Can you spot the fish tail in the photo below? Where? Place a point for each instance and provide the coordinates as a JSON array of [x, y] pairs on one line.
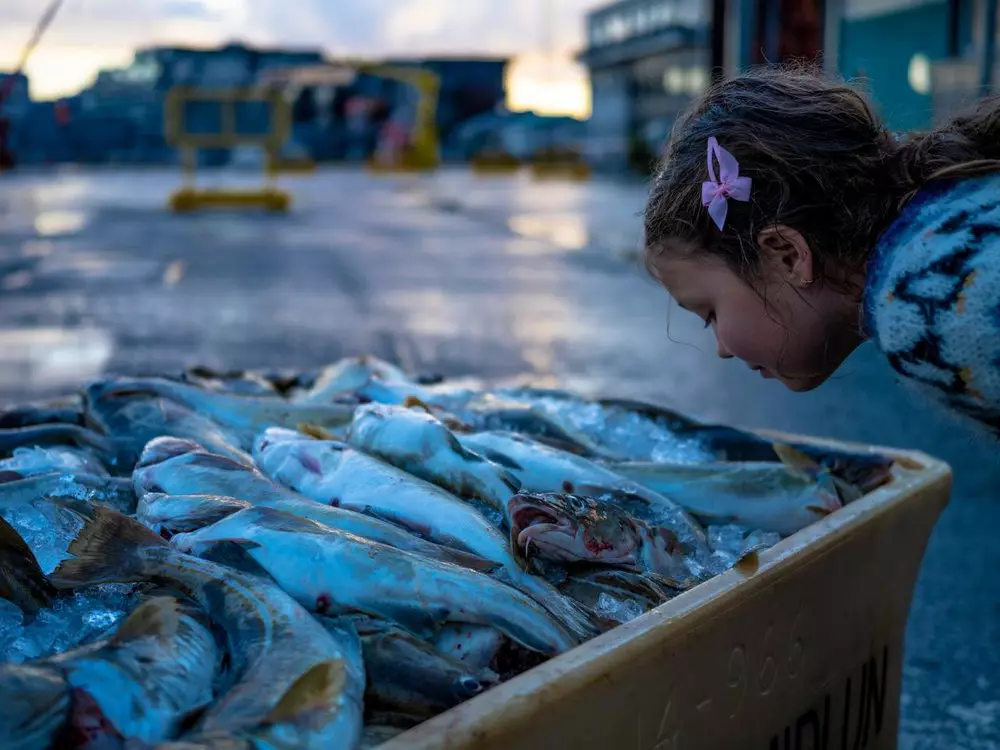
[[106, 550], [29, 588]]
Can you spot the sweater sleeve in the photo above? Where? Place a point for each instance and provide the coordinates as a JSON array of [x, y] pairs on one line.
[[933, 296]]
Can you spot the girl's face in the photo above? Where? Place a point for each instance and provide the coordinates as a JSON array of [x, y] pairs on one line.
[[783, 326]]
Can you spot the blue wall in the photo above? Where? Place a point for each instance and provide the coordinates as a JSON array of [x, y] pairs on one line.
[[880, 49]]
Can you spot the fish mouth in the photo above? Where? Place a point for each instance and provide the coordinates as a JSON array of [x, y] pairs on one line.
[[531, 524], [562, 539]]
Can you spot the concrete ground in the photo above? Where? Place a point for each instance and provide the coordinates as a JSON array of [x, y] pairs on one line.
[[460, 275]]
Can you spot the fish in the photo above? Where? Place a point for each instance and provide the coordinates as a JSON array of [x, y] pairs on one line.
[[236, 382], [474, 645], [58, 434], [175, 467], [352, 574], [242, 416], [115, 492], [348, 375], [135, 420], [174, 514], [30, 415], [670, 419], [539, 468], [35, 706], [411, 680], [865, 470], [22, 581], [333, 473], [420, 444], [783, 498], [598, 588], [285, 664], [40, 460], [575, 529], [536, 422], [138, 684]]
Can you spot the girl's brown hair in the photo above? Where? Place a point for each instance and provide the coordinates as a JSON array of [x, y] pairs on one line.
[[821, 162]]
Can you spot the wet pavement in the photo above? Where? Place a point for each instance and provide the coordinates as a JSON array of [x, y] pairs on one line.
[[460, 276]]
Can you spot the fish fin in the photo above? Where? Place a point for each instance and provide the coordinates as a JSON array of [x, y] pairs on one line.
[[318, 688], [796, 459], [671, 584], [36, 591], [158, 617], [843, 491], [465, 559], [281, 520], [106, 549], [413, 402], [315, 431], [236, 554], [215, 461], [501, 459]]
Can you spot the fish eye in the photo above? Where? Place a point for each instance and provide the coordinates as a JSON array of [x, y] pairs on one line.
[[471, 685]]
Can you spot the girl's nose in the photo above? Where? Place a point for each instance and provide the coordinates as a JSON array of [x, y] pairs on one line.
[[722, 350]]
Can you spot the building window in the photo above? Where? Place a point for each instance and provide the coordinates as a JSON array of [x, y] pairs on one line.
[[641, 21], [919, 74]]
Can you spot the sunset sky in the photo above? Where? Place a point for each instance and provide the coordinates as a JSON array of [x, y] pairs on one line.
[[91, 34]]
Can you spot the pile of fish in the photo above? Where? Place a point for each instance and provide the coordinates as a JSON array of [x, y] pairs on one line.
[[252, 560]]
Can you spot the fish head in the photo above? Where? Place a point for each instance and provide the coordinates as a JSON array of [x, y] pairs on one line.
[[572, 528], [275, 436], [194, 472], [286, 459], [161, 449]]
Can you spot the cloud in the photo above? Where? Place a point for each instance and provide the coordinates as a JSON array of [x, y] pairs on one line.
[[92, 29]]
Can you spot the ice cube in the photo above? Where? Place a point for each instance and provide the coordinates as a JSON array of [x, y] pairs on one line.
[[619, 610], [99, 620], [46, 528], [726, 538], [22, 649]]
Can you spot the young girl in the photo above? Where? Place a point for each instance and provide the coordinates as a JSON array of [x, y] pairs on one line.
[[795, 225]]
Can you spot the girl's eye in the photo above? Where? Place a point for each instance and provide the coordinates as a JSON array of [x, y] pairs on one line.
[[709, 319]]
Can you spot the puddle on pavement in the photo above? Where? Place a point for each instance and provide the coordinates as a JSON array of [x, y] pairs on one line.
[[39, 359], [567, 231], [54, 223], [98, 266]]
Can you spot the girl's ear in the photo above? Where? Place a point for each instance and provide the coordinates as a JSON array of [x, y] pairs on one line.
[[786, 251]]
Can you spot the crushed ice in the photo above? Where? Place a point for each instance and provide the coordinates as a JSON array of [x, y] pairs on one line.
[[71, 621], [619, 610], [729, 542]]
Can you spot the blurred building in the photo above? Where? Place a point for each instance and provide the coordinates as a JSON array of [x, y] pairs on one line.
[[520, 134], [647, 59], [918, 59]]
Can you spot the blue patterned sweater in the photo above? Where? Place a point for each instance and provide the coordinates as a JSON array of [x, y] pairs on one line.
[[932, 299]]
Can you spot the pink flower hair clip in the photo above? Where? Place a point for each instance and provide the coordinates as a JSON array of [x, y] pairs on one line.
[[715, 193]]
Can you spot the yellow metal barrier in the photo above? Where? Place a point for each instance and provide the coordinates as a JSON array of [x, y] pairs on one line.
[[495, 162], [560, 164], [421, 154], [191, 198]]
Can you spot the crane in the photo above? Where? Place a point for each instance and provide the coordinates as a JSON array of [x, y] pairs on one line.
[[7, 85]]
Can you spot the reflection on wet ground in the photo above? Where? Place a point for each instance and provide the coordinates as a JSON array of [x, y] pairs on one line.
[[461, 275]]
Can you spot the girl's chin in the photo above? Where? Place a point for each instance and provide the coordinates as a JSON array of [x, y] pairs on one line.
[[801, 385]]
